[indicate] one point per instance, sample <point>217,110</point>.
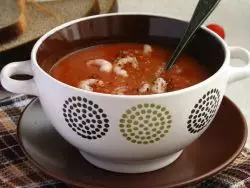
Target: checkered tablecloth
<point>17,171</point>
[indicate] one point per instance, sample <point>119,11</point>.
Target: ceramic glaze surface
<point>203,111</point>
<point>145,123</point>
<point>85,118</point>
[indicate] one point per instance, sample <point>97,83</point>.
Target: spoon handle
<point>203,9</point>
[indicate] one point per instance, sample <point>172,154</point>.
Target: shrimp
<point>159,85</point>
<point>120,63</point>
<point>121,72</point>
<point>105,66</point>
<point>147,49</point>
<point>87,84</point>
<point>145,87</point>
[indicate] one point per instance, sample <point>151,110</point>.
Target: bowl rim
<point>177,92</point>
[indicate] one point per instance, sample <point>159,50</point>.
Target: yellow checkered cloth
<point>17,172</point>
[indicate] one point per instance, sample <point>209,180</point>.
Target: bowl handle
<point>18,86</point>
<point>239,73</point>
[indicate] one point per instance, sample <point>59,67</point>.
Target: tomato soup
<point>128,69</point>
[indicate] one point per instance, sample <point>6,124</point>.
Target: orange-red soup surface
<point>127,68</point>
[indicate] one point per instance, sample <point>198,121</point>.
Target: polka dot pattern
<point>145,123</point>
<point>203,111</point>
<point>85,118</point>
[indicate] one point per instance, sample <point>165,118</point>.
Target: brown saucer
<point>211,153</point>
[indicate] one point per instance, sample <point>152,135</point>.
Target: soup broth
<point>128,69</point>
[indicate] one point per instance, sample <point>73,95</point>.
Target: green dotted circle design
<point>145,123</point>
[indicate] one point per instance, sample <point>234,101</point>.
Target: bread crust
<point>15,29</point>
<point>9,35</point>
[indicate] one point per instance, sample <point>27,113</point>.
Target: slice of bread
<point>14,24</point>
<point>107,6</point>
<point>20,48</point>
<point>39,21</point>
<point>61,11</point>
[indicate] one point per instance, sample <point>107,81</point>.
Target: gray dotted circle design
<point>145,123</point>
<point>85,118</point>
<point>203,111</point>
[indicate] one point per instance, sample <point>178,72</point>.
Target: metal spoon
<point>203,9</point>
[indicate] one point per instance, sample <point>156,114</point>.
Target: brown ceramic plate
<point>211,153</point>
